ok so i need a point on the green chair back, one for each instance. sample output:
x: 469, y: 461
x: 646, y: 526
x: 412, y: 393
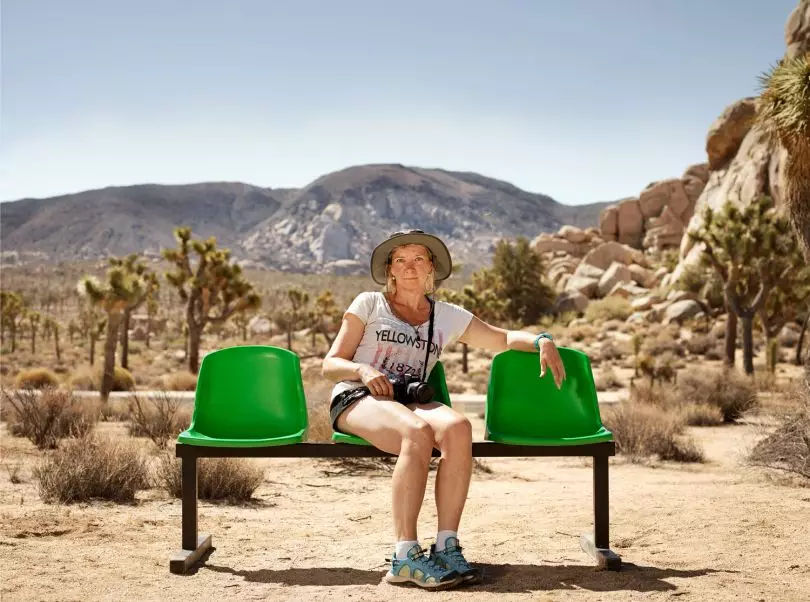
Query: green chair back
x: 523, y: 409
x: 436, y: 379
x: 248, y: 396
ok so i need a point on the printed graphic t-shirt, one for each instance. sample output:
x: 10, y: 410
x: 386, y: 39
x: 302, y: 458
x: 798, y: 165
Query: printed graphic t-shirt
x: 395, y: 347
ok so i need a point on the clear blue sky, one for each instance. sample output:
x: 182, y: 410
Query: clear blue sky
x: 584, y: 100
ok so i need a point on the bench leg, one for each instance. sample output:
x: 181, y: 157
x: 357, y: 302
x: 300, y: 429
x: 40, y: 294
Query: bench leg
x: 194, y: 545
x: 598, y: 546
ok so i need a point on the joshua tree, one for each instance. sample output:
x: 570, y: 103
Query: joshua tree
x: 212, y: 288
x: 783, y: 109
x: 296, y: 315
x: 740, y: 245
x: 121, y: 289
x: 34, y: 318
x: 790, y: 289
x: 132, y: 266
x: 151, y: 313
x: 50, y: 327
x: 326, y: 316
x: 11, y: 308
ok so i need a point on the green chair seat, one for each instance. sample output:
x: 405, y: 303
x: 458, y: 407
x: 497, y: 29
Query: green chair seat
x: 523, y: 409
x: 437, y: 381
x: 248, y: 396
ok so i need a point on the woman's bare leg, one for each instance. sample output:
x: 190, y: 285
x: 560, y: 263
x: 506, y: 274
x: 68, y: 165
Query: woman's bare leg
x: 392, y: 427
x: 453, y: 437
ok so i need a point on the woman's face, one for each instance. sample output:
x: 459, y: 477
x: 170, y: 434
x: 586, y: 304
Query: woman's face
x: 411, y: 265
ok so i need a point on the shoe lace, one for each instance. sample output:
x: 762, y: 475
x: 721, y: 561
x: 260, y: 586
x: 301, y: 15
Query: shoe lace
x: 430, y: 564
x: 455, y: 554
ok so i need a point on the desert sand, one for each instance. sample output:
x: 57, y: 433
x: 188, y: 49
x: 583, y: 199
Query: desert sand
x: 717, y: 531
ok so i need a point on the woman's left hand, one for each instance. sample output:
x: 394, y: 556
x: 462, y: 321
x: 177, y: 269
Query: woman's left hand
x: 550, y: 358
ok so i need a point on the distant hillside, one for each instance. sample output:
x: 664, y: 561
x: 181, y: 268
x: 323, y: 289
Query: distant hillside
x: 328, y: 226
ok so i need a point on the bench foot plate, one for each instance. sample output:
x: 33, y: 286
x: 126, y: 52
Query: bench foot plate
x: 181, y: 561
x: 606, y: 558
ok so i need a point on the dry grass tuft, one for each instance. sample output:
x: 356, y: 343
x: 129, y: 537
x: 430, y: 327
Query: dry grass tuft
x: 36, y: 378
x: 158, y: 417
x: 178, y: 381
x: 230, y: 479
x: 609, y: 308
x: 788, y: 447
x: 47, y: 416
x: 92, y: 468
x: 87, y: 378
x: 644, y: 430
x: 733, y: 393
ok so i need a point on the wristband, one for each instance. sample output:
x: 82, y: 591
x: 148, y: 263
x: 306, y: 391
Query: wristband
x: 542, y: 335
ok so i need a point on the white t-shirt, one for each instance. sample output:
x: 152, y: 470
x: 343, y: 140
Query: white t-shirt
x: 395, y: 347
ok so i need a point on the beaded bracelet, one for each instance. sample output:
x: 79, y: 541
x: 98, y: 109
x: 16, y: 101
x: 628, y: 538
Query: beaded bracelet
x: 542, y: 335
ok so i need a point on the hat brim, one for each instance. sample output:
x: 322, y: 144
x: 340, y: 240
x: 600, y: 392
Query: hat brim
x: 442, y: 262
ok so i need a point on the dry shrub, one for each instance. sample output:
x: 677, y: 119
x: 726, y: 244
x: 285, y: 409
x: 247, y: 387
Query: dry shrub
x: 668, y: 397
x: 320, y: 424
x: 663, y: 342
x: 788, y: 447
x: 699, y: 344
x: 231, y: 479
x: 701, y: 414
x: 612, y: 350
x: 87, y: 378
x: 643, y: 430
x: 47, y: 416
x: 36, y: 378
x: 158, y: 417
x: 179, y: 381
x: 609, y: 308
x: 607, y: 379
x: 581, y: 332
x: 92, y: 468
x: 726, y: 389
x: 717, y: 352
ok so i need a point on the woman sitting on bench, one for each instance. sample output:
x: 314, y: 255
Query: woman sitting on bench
x: 386, y: 347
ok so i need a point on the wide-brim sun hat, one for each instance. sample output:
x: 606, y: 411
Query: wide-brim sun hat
x: 442, y: 263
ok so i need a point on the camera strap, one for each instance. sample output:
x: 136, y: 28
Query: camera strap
x: 430, y: 339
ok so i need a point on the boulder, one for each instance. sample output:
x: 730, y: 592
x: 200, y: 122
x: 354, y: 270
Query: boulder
x: 642, y: 276
x: 728, y: 131
x: 572, y: 301
x: 260, y: 325
x: 645, y: 302
x: 630, y: 223
x: 665, y: 231
x: 606, y: 253
x: 797, y: 30
x: 586, y: 286
x: 553, y: 244
x: 609, y: 222
x: 573, y: 234
x: 617, y: 273
x: 626, y: 290
x: 682, y: 310
x: 586, y: 270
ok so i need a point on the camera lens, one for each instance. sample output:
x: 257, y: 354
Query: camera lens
x: 420, y: 392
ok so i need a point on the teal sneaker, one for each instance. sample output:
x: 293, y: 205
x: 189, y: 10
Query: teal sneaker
x: 452, y: 559
x: 420, y: 570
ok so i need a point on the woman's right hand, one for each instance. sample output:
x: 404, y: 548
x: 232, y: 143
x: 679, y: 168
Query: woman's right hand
x: 376, y: 381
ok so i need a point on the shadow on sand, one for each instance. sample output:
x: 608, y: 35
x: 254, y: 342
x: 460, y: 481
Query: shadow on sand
x: 498, y: 578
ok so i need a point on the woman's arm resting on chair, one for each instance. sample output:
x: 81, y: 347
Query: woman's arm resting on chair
x: 485, y: 336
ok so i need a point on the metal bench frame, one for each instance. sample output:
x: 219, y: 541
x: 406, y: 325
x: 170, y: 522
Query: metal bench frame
x: 195, y: 544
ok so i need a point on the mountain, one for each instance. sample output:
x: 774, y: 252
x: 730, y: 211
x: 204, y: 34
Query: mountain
x: 330, y: 225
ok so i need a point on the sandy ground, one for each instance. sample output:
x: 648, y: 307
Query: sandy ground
x: 718, y: 531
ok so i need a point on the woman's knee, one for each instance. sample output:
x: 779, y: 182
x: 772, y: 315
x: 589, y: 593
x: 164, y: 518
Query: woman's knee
x: 418, y: 434
x: 458, y: 431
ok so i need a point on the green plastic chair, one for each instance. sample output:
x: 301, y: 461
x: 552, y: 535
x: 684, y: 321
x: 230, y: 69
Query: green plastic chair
x: 435, y: 379
x: 523, y: 409
x: 248, y: 396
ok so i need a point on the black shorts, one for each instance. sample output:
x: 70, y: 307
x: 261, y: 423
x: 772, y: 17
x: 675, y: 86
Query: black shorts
x: 342, y: 401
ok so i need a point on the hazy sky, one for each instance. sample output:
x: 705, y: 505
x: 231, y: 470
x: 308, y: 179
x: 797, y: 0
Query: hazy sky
x: 584, y: 100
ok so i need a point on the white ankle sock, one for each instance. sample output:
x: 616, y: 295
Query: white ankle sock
x: 402, y: 549
x: 441, y: 539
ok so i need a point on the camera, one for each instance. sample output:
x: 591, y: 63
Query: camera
x: 411, y: 389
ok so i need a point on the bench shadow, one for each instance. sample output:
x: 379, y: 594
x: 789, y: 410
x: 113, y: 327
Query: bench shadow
x: 498, y: 578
